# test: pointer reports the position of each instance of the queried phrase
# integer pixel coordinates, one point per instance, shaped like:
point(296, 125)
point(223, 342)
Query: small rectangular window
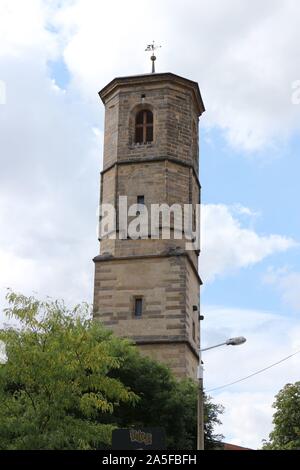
point(194, 331)
point(138, 307)
point(141, 200)
point(194, 220)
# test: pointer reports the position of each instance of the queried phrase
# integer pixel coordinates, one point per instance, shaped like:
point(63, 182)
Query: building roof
point(150, 78)
point(233, 447)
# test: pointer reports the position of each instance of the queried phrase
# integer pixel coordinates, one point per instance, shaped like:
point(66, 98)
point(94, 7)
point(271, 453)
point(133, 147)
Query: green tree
point(164, 402)
point(68, 383)
point(56, 383)
point(286, 420)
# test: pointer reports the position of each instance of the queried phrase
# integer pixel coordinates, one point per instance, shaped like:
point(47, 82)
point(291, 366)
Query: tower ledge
point(152, 78)
point(166, 254)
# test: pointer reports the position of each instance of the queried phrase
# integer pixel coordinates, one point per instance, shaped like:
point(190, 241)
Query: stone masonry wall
point(160, 272)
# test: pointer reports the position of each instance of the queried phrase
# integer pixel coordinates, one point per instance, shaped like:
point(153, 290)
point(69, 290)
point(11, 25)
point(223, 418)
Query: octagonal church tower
point(147, 288)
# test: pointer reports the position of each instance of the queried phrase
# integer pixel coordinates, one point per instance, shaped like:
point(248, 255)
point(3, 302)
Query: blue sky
point(59, 72)
point(54, 58)
point(269, 187)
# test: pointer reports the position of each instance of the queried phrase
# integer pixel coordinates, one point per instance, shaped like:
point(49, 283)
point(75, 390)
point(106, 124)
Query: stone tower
point(148, 289)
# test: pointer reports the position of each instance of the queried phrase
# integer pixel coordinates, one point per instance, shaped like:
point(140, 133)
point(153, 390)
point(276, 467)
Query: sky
point(54, 58)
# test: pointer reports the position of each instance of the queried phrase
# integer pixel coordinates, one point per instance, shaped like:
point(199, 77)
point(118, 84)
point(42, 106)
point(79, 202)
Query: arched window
point(144, 127)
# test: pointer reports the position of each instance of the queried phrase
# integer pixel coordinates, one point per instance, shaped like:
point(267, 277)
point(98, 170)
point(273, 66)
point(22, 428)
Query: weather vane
point(151, 48)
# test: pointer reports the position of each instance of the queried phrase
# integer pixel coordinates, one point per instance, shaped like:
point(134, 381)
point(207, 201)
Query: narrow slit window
point(138, 307)
point(194, 331)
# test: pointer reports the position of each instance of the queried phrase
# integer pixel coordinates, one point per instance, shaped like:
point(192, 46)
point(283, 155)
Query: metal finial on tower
point(152, 47)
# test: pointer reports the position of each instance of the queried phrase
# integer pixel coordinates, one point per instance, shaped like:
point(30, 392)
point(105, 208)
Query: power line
point(255, 373)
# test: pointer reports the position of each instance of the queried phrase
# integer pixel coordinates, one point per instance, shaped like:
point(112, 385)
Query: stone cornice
point(153, 78)
point(166, 340)
point(166, 254)
point(137, 160)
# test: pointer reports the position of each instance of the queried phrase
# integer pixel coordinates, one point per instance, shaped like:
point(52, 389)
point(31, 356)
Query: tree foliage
point(55, 383)
point(68, 382)
point(286, 420)
point(164, 402)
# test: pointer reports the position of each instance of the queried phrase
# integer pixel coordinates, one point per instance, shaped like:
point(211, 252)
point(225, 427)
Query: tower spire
point(151, 48)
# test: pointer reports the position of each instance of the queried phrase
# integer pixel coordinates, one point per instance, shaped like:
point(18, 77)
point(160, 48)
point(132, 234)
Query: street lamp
point(200, 421)
point(229, 342)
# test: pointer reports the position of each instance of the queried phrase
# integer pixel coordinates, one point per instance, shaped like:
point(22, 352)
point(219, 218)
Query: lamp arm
point(212, 347)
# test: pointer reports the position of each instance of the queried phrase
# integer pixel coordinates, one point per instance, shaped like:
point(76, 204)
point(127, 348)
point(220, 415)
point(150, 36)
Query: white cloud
point(245, 70)
point(50, 161)
point(23, 27)
point(245, 211)
point(51, 153)
point(247, 418)
point(287, 282)
point(248, 405)
point(227, 245)
point(15, 271)
point(244, 67)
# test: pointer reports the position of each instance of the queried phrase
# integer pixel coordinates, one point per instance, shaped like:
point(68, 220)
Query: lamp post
point(200, 412)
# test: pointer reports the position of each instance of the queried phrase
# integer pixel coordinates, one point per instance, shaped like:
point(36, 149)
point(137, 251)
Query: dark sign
point(138, 438)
